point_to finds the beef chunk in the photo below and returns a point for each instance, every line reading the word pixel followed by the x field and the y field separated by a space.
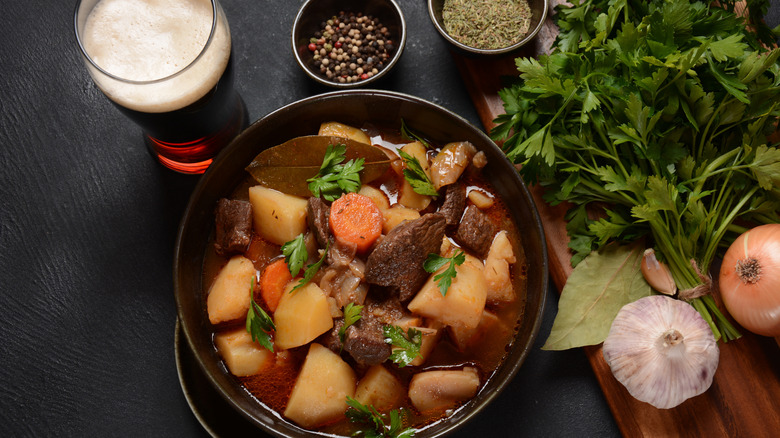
pixel 397 262
pixel 330 338
pixel 476 231
pixel 387 311
pixel 365 341
pixel 233 226
pixel 317 217
pixel 454 203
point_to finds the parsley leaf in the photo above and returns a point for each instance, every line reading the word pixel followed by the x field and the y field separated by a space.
pixel 368 415
pixel 396 424
pixel 351 316
pixel 766 167
pixel 407 345
pixel 434 262
pixel 335 178
pixel 414 173
pixel 258 323
pixel 311 270
pixel 360 413
pixel 295 254
pixel 410 135
pixel 348 177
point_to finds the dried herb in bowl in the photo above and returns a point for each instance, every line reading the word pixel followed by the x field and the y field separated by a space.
pixel 486 24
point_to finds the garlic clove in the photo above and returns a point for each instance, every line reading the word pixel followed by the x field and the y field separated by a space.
pixel 657 273
pixel 661 350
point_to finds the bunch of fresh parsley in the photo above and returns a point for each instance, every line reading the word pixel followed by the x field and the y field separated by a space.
pixel 655 115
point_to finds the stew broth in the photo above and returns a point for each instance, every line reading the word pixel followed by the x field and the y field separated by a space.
pixel 274 384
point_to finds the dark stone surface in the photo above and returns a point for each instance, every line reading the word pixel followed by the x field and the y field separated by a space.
pixel 88 222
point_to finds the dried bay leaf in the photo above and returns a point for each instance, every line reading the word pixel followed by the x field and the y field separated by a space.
pixel 598 287
pixel 286 167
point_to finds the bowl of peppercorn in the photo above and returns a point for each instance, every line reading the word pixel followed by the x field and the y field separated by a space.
pixel 348 43
pixel 488 27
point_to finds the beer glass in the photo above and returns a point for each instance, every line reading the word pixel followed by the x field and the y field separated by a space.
pixel 167 65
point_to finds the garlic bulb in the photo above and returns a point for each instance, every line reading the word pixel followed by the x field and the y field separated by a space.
pixel 661 350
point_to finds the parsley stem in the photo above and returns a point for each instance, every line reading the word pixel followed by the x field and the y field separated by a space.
pixel 727 330
pixel 700 307
pixel 737 229
pixel 763 218
pixel 620 197
pixel 724 224
pixel 715 116
pixel 563 107
pixel 717 172
pixel 613 155
pixel 713 167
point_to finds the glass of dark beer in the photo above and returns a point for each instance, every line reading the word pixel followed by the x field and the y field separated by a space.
pixel 167 65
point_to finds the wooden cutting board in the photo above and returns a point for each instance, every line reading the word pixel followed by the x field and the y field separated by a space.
pixel 744 399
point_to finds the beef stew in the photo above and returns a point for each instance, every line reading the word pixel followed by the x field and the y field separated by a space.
pixel 463 335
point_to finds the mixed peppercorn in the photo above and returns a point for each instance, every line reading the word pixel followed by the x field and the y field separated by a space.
pixel 351 47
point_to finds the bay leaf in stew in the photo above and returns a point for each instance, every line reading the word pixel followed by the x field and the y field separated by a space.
pixel 286 167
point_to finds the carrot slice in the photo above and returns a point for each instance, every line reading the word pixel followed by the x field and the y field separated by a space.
pixel 355 218
pixel 272 282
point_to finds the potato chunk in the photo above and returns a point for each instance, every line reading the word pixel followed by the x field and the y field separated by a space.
pixel 320 392
pixel 465 299
pixel 439 390
pixel 397 214
pixel 417 150
pixel 229 295
pixel 481 199
pixel 488 325
pixel 301 316
pixel 411 199
pixel 379 388
pixel 497 275
pixel 430 337
pixel 341 130
pixel 242 356
pixel 278 217
pixel 408 197
pixel 376 195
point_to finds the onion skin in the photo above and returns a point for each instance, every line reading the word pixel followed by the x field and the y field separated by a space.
pixel 754 305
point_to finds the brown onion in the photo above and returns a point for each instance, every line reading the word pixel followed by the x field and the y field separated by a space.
pixel 750 280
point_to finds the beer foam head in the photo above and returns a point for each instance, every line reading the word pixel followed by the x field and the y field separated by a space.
pixel 149 40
